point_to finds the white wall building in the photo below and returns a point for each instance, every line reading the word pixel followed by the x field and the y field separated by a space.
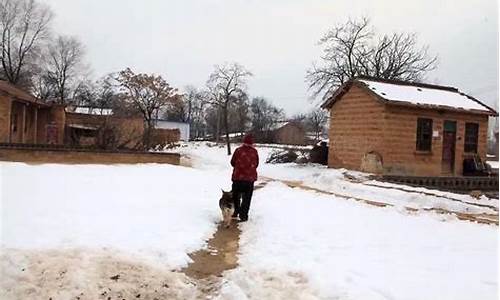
pixel 183 127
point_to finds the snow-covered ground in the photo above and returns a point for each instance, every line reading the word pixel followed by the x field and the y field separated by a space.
pixel 210 156
pixel 66 230
pixel 346 250
pixel 152 214
pixel 304 245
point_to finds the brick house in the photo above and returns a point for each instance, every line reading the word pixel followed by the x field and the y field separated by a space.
pixel 290 133
pixel 401 128
pixel 23 119
pixel 86 127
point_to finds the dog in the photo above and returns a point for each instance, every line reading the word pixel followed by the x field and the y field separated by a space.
pixel 226 205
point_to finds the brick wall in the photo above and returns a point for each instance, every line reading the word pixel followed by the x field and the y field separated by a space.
pixel 72 156
pixel 5 107
pixel 161 137
pixel 128 132
pixel 356 128
pixel 400 155
pixel 42 120
pixel 57 117
pixel 290 134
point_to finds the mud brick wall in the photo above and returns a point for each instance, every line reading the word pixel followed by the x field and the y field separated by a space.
pixel 5 107
pixel 128 131
pixel 75 156
pixel 356 128
pixel 399 151
pixel 290 134
pixel 160 136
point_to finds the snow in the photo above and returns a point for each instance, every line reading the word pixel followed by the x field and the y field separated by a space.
pixel 423 95
pixel 67 229
pixel 93 111
pixel 493 164
pixel 346 250
pixel 211 156
pixel 142 210
pixel 304 245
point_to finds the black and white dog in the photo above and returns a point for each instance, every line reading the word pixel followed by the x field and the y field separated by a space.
pixel 226 205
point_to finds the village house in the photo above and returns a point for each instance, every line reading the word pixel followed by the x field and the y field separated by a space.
pixel 24 119
pixel 290 133
pixel 400 128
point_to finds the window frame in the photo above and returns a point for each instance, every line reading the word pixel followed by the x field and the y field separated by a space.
pixel 424 127
pixel 471 147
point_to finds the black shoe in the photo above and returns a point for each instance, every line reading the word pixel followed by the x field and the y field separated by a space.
pixel 241 220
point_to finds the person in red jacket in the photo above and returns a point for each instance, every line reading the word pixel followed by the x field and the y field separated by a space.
pixel 245 161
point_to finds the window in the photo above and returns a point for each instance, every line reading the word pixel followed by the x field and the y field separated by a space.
pixel 471 135
pixel 424 134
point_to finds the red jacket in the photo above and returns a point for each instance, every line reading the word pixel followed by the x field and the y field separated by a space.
pixel 245 161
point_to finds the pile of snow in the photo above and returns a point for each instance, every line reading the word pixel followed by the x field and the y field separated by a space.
pixel 303 245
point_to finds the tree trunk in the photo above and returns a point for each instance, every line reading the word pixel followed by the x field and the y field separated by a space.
pixel 226 127
pixel 147 134
pixel 217 126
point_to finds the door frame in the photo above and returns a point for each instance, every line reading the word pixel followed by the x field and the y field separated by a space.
pixel 453 146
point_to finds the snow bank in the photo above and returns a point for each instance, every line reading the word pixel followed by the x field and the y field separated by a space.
pixel 86 275
pixel 348 250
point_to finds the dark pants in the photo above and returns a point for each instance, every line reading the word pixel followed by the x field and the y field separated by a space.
pixel 242 189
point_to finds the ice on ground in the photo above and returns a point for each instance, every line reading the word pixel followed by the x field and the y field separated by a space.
pixel 347 250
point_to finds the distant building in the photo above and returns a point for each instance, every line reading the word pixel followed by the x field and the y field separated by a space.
pixel 290 133
pixel 402 128
pixel 183 127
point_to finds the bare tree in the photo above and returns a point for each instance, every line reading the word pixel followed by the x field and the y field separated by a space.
pixel 225 84
pixel 316 120
pixel 24 24
pixel 239 113
pixel 64 64
pixel 148 94
pixel 353 49
pixel 263 116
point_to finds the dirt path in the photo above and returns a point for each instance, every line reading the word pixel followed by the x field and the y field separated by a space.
pixel 221 254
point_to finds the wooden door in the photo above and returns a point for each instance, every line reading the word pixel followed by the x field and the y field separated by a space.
pixel 449 137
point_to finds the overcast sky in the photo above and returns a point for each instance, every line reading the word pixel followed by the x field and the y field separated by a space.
pixel 276 40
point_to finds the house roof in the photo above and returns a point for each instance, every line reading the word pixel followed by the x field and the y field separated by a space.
pixel 18 93
pixel 414 94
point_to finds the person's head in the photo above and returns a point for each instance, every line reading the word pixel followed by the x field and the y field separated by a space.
pixel 248 139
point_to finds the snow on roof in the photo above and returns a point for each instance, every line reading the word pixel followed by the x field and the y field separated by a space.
pixel 79 126
pixel 93 111
pixel 424 95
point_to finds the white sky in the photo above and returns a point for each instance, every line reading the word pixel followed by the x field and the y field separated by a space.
pixel 276 40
